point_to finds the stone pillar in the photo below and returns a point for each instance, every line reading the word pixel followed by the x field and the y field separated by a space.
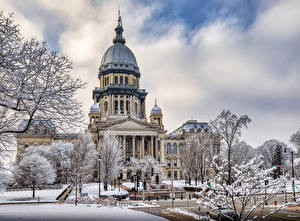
pixel 156 148
pixel 112 104
pixel 151 147
pixel 143 148
pixel 124 149
pixel 124 105
pixel 133 146
pixel 119 105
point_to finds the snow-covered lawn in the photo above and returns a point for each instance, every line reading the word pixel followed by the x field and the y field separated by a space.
pixel 51 212
pixel 93 190
pixel 188 213
pixel 22 196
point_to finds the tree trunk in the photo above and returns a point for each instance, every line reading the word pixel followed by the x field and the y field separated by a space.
pixel 105 185
pixel 33 191
pixel 76 193
pixel 229 165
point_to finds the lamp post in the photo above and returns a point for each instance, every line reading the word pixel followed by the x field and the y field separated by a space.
pixel 172 179
pixel 99 172
pixel 293 176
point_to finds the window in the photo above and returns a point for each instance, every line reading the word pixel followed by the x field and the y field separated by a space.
pixel 169 163
pixel 180 148
pixel 169 174
pixel 26 146
pixel 174 148
pixel 175 162
pixel 95 143
pixel 127 105
pixel 116 105
pixel 105 106
pixel 45 131
pixel 122 106
pixel 121 80
pixel 116 79
pixel 126 80
pixel 168 148
pixel 175 175
pixel 158 145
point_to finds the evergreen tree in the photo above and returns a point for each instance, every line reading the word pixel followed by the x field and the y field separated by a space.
pixel 277 160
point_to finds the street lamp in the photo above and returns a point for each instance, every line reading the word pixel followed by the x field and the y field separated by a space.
pixel 99 172
pixel 293 176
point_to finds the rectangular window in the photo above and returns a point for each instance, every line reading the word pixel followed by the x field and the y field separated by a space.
pixel 169 174
pixel 174 148
pixel 175 175
pixel 175 162
pixel 180 149
pixel 169 162
pixel 168 148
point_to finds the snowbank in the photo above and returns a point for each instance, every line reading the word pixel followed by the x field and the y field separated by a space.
pixel 70 212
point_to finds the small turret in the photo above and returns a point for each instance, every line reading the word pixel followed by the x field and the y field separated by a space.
pixel 156 116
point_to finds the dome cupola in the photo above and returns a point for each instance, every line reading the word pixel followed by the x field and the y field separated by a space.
pixel 95 108
pixel 118 57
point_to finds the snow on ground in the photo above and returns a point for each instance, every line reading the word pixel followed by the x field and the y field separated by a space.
pixel 54 212
pixel 26 195
pixel 131 185
pixel 93 190
pixel 188 213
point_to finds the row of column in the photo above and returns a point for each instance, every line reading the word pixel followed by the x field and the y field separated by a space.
pixel 140 144
pixel 133 108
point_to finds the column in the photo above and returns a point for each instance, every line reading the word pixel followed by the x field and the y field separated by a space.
pixel 143 148
pixel 156 148
pixel 139 108
pixel 133 146
pixel 124 105
pixel 112 103
pixel 124 149
pixel 151 147
pixel 119 105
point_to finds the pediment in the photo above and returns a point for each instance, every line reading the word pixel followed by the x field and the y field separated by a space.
pixel 130 125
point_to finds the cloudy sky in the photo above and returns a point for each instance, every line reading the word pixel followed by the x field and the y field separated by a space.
pixel 196 57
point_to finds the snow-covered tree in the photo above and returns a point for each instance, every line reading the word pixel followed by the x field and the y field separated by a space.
pixel 242 153
pixel 251 187
pixel 34 170
pixel 267 150
pixel 34 82
pixel 82 160
pixel 58 153
pixel 111 158
pixel 295 139
pixel 6 176
pixel 197 155
pixel 229 127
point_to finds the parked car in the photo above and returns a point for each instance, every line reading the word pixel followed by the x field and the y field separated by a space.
pixel 223 213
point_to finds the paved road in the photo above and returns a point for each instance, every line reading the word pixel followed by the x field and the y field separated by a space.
pixel 192 206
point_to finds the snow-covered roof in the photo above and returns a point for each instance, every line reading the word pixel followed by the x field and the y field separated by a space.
pixel 38 122
pixel 192 125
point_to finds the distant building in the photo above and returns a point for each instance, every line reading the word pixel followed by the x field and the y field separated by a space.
pixel 174 146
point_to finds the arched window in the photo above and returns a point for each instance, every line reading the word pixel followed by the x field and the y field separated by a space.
pixel 121 80
pixel 174 148
pixel 105 106
pixel 116 105
pixel 122 106
pixel 116 79
pixel 180 149
pixel 26 146
pixel 126 80
pixel 127 105
pixel 168 148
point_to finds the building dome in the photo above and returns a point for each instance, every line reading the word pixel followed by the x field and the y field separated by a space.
pixel 119 57
pixel 156 110
pixel 95 108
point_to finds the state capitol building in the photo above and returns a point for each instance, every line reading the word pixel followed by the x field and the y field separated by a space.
pixel 119 106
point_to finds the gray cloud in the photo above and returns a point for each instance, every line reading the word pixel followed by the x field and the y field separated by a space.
pixel 253 71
